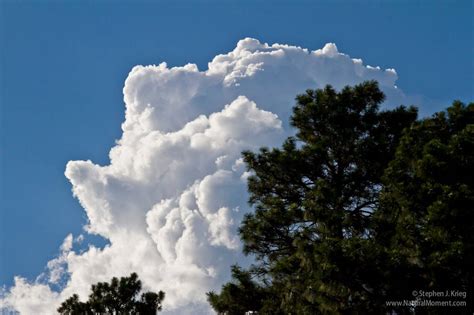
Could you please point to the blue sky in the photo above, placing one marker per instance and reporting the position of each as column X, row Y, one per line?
column 63, row 66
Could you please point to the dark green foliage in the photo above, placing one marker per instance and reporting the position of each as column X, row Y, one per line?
column 426, row 217
column 73, row 306
column 242, row 295
column 116, row 297
column 361, row 207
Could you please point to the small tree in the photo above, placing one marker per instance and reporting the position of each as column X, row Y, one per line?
column 116, row 297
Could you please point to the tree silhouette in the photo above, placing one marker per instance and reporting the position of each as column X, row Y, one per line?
column 116, row 297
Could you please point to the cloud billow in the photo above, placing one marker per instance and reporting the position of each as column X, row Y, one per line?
column 174, row 193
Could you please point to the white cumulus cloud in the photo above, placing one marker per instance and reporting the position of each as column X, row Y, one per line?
column 174, row 193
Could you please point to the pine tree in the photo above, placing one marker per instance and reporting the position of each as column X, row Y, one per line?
column 362, row 206
column 116, row 297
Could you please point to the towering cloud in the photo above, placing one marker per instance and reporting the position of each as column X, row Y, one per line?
column 172, row 198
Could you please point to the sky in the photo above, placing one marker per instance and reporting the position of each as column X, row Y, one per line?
column 64, row 66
